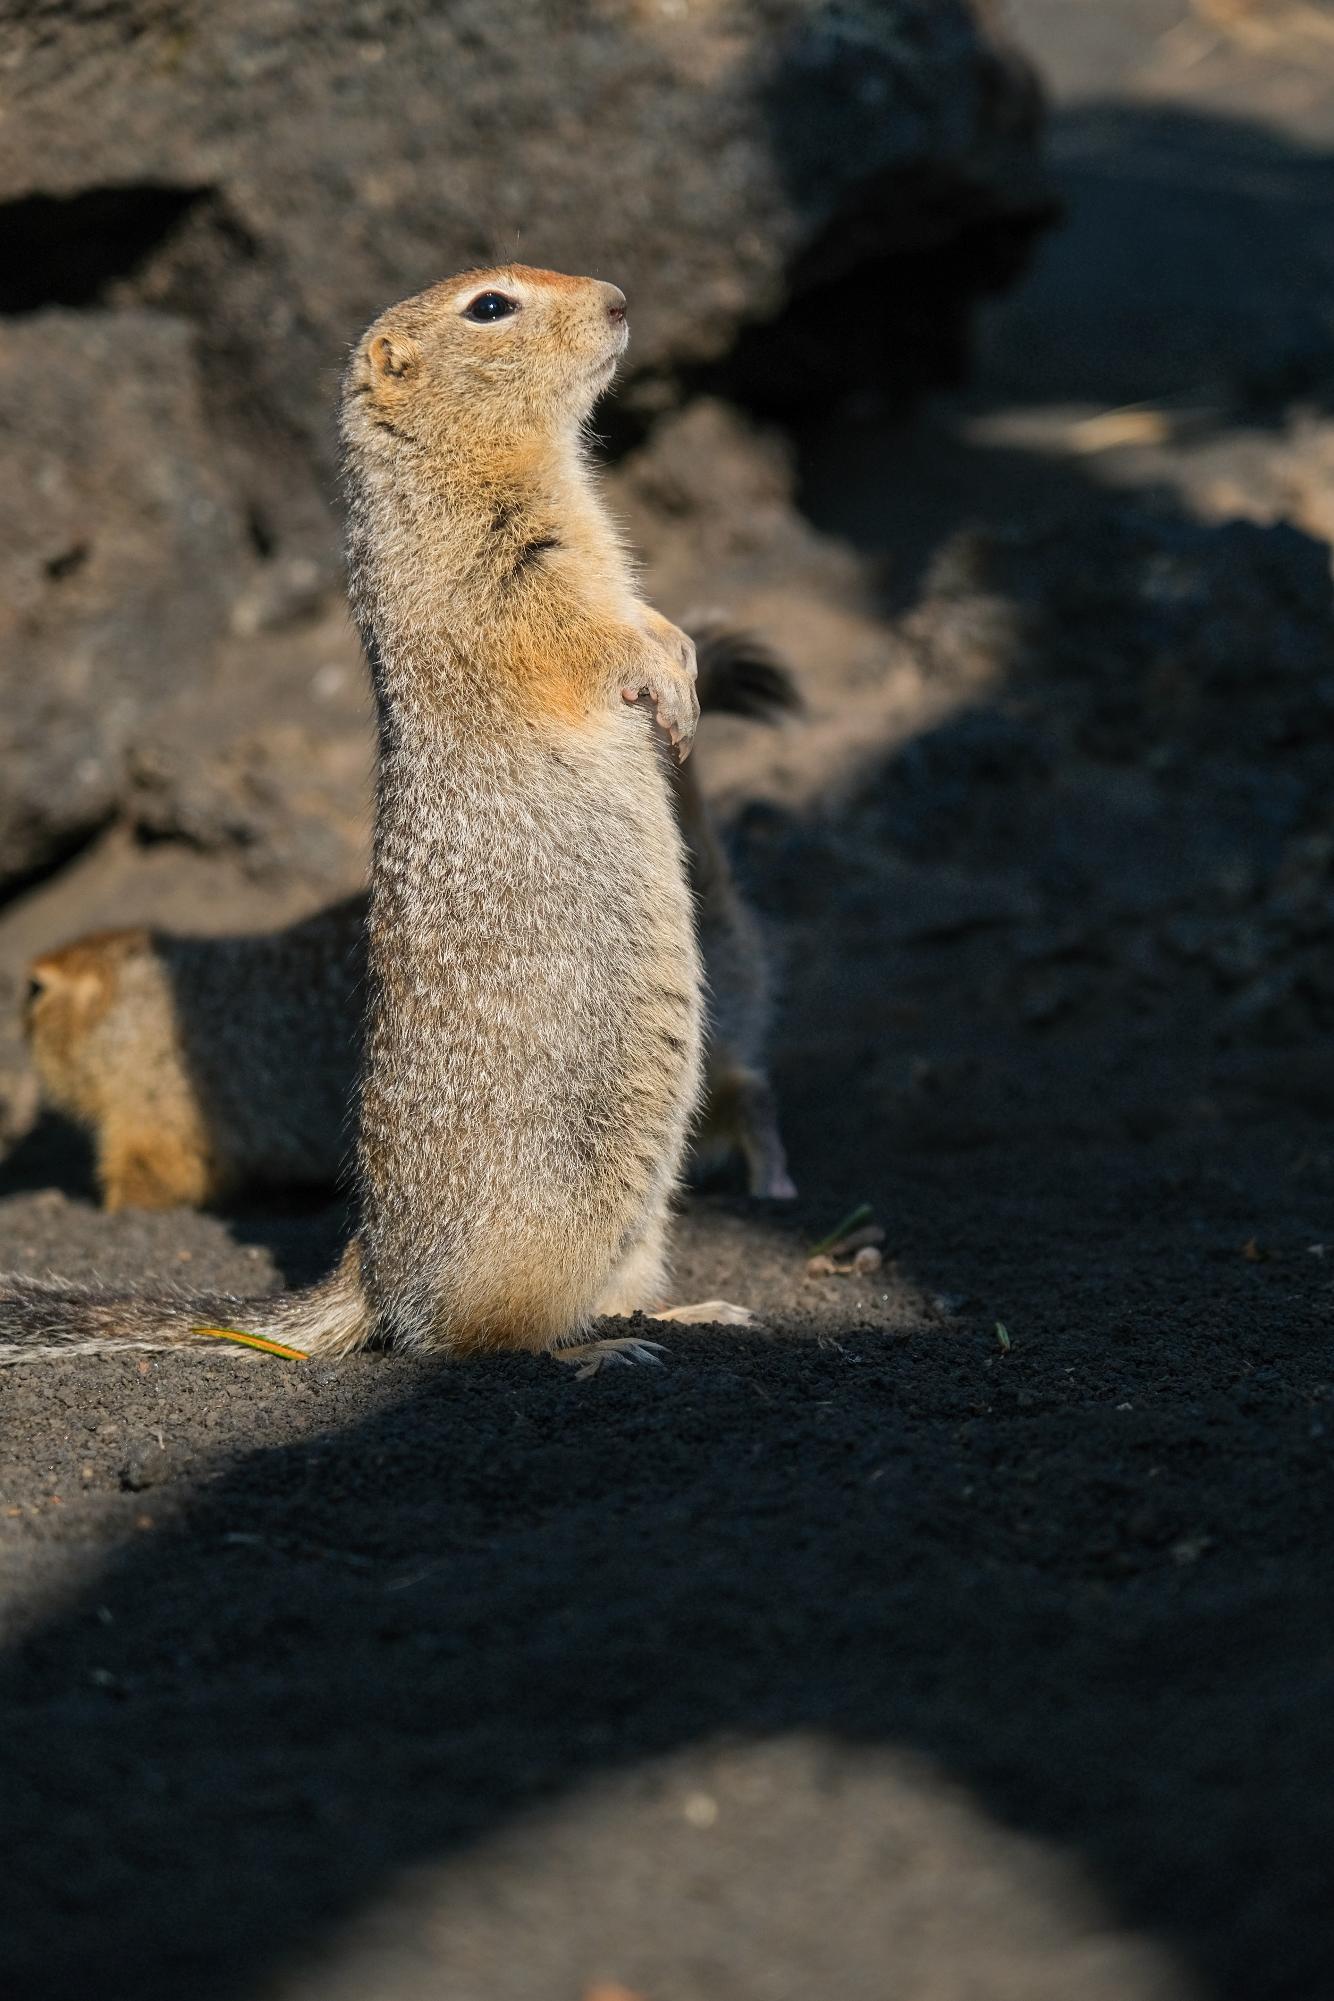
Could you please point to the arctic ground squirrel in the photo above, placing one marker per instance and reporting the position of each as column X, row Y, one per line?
column 533, row 1043
column 205, row 1066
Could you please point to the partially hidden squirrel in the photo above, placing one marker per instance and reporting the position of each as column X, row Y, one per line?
column 532, row 1052
column 204, row 1065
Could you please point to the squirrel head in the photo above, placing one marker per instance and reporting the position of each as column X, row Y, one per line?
column 69, row 993
column 509, row 355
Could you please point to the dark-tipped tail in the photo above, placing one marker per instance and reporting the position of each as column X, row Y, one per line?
column 45, row 1318
column 739, row 675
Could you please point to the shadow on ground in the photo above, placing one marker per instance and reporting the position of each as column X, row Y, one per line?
column 1081, row 1584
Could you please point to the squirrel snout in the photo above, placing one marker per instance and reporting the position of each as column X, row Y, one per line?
column 616, row 306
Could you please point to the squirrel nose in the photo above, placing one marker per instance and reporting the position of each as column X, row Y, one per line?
column 616, row 308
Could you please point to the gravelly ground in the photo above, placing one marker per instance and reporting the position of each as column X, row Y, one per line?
column 869, row 1657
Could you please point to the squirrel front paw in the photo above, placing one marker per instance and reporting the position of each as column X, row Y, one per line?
column 665, row 672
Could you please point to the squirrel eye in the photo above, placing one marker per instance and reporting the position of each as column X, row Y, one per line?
column 490, row 306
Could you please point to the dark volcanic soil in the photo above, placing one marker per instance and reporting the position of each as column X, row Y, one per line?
column 970, row 1634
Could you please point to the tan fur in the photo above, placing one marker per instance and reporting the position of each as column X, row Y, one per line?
column 102, row 1013
column 207, row 1065
column 534, row 996
column 532, row 1051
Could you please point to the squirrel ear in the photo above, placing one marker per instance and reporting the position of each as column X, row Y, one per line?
column 395, row 356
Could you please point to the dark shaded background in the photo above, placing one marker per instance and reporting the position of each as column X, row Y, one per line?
column 872, row 1657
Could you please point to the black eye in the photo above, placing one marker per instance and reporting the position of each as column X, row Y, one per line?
column 490, row 306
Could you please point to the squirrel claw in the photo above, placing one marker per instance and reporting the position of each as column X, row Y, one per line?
column 622, row 1352
column 668, row 680
column 677, row 727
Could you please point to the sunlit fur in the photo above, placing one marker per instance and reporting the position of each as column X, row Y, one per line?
column 534, row 1023
column 532, row 1053
column 203, row 1066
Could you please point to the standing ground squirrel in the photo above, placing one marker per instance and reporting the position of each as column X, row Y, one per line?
column 205, row 1065
column 533, row 1040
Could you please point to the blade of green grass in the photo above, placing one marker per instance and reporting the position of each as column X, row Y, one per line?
column 861, row 1214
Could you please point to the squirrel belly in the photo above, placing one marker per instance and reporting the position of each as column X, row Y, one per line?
column 534, row 1030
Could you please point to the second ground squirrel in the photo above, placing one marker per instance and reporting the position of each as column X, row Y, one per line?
column 533, row 1040
column 203, row 1066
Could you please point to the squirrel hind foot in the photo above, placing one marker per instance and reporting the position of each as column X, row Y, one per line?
column 622, row 1351
column 710, row 1313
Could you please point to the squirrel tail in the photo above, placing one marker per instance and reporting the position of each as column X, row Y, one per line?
column 738, row 674
column 45, row 1318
